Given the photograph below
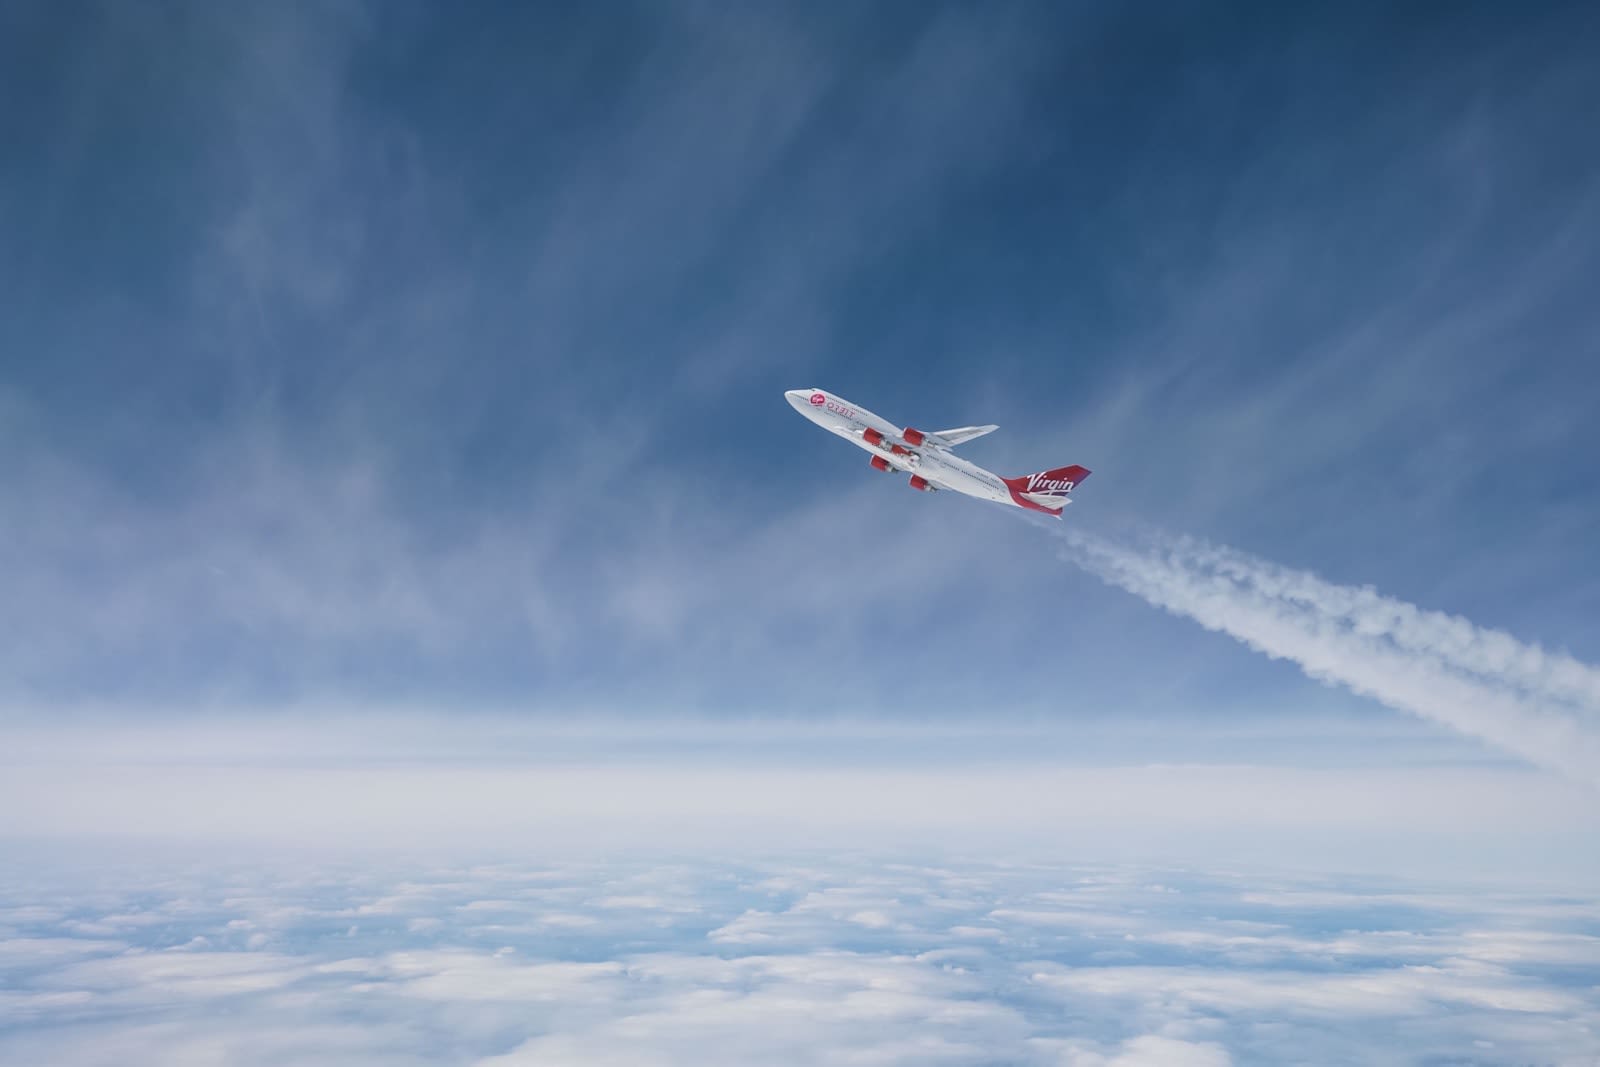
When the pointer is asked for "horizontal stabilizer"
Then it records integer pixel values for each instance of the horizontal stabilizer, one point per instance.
(951, 438)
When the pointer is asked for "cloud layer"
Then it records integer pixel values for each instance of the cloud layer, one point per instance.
(801, 960)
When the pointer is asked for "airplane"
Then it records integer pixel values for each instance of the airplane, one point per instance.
(928, 458)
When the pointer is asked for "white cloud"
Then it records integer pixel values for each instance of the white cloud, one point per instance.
(457, 976)
(1146, 1050)
(1372, 993)
(17, 1005)
(963, 962)
(32, 950)
(814, 1008)
(175, 973)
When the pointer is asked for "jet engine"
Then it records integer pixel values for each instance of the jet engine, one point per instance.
(913, 437)
(920, 483)
(872, 437)
(880, 463)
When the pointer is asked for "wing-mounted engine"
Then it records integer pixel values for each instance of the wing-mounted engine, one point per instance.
(879, 463)
(915, 438)
(921, 484)
(876, 439)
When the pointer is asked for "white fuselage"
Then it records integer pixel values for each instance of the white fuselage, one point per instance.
(941, 468)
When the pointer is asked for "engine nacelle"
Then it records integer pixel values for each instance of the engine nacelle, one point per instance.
(872, 437)
(880, 463)
(900, 450)
(913, 437)
(919, 483)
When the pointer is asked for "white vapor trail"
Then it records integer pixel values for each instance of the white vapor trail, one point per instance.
(1535, 704)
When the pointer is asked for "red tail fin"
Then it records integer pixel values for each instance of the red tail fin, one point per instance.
(1046, 491)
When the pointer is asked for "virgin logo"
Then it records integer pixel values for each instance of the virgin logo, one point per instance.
(817, 400)
(1038, 483)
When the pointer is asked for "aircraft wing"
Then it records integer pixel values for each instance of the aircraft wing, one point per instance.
(951, 438)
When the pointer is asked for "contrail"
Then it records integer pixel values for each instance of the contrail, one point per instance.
(1536, 704)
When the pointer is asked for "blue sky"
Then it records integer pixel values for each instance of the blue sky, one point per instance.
(382, 361)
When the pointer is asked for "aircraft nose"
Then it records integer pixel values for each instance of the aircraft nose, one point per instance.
(799, 399)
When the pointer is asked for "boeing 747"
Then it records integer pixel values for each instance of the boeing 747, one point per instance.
(928, 457)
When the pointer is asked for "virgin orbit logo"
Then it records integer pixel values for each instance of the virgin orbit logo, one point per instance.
(817, 400)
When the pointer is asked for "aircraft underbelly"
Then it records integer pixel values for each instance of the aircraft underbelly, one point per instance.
(943, 470)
